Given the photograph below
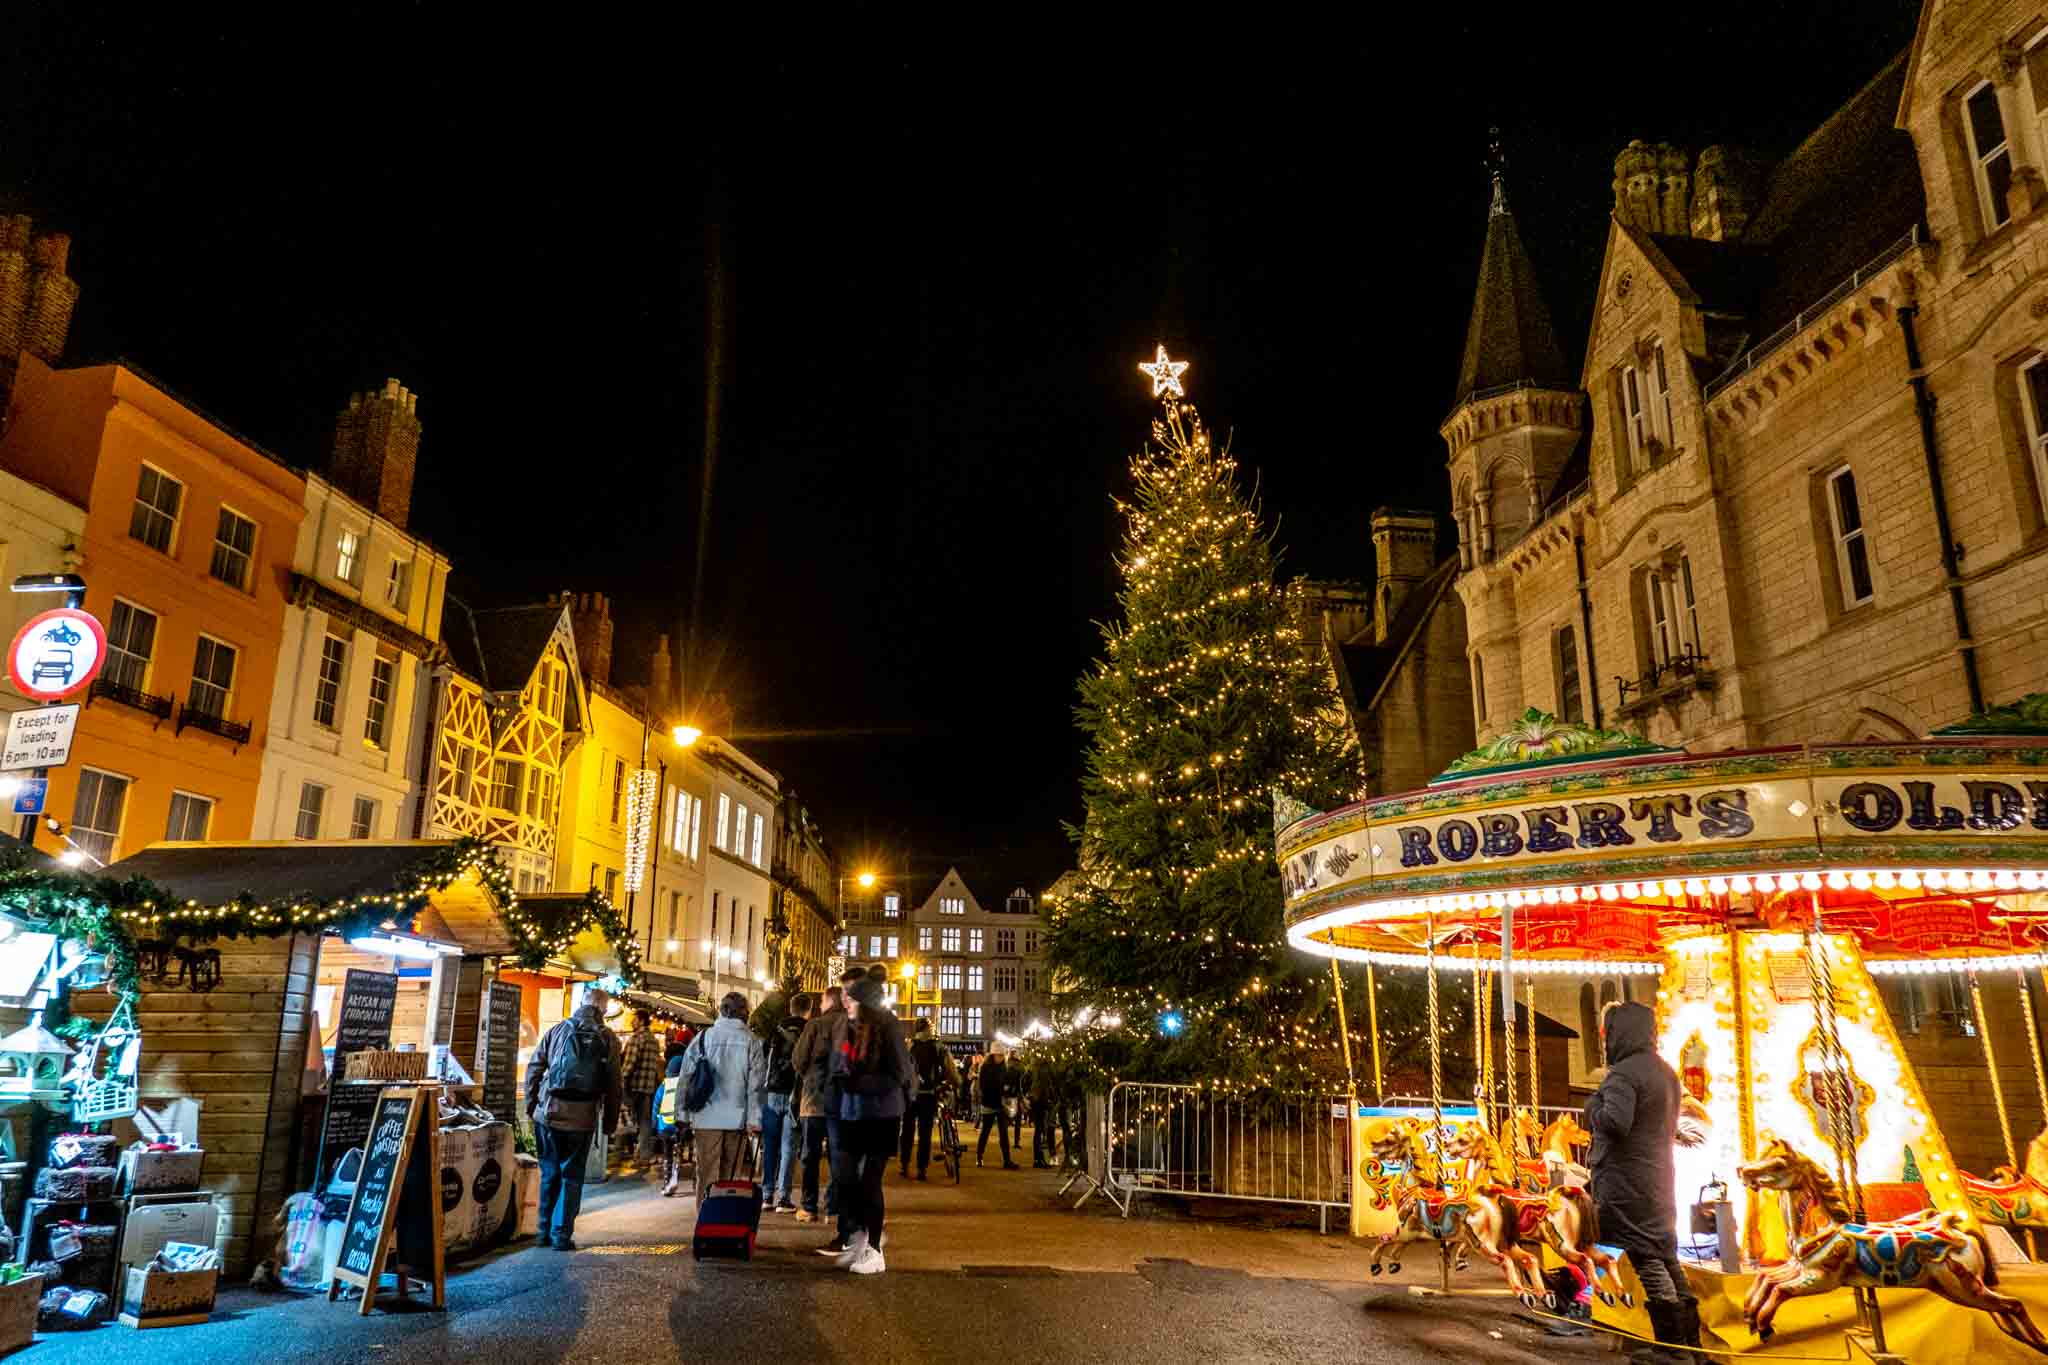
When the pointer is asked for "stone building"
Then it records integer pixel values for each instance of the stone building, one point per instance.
(361, 637)
(1797, 488)
(805, 918)
(987, 965)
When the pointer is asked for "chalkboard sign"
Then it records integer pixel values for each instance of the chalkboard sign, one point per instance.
(398, 1194)
(346, 1124)
(501, 1050)
(367, 999)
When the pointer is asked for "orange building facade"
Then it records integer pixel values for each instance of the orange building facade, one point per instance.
(187, 556)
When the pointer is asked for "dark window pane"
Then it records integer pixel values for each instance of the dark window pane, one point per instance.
(1987, 128)
(1859, 567)
(1848, 514)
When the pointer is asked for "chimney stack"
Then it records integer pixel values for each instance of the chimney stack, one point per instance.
(590, 616)
(376, 450)
(36, 296)
(1404, 553)
(660, 679)
(1723, 194)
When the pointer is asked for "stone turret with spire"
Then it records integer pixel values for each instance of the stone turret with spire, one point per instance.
(1516, 416)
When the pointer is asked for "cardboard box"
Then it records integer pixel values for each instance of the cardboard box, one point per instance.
(156, 1220)
(168, 1298)
(529, 1197)
(18, 1304)
(147, 1172)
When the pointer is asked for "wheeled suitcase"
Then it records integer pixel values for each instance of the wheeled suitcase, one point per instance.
(728, 1216)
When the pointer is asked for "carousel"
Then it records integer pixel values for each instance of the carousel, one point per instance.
(1765, 891)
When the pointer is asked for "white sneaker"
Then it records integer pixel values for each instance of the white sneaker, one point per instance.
(869, 1262)
(856, 1247)
(670, 1188)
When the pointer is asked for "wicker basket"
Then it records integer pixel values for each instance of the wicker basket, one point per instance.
(386, 1066)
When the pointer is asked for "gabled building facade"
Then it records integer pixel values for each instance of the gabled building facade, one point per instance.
(508, 710)
(988, 966)
(361, 641)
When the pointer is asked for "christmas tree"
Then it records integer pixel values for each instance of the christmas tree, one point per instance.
(1210, 697)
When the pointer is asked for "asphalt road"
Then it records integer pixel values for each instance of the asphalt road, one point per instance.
(995, 1268)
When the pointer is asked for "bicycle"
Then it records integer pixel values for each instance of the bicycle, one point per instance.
(948, 1144)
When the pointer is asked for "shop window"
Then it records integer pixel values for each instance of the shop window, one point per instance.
(96, 813)
(191, 816)
(154, 520)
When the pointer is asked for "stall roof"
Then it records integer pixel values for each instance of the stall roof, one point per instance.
(327, 871)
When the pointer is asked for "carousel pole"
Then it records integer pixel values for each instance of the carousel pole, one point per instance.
(1535, 1069)
(1507, 1015)
(2040, 1073)
(1344, 1033)
(2012, 1158)
(1835, 1080)
(1372, 1013)
(1436, 1081)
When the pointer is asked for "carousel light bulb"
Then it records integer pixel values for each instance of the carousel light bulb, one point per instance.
(2005, 881)
(1837, 882)
(1980, 880)
(1935, 878)
(1693, 886)
(1810, 881)
(1910, 880)
(1630, 890)
(1739, 884)
(1717, 886)
(1550, 895)
(1610, 892)
(1885, 880)
(1766, 883)
(2030, 881)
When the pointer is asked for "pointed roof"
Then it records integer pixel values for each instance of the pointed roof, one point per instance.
(1509, 338)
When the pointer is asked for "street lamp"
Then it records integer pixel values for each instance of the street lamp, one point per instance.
(685, 735)
(866, 880)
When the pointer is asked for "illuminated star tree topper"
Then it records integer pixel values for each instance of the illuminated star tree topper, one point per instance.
(1165, 375)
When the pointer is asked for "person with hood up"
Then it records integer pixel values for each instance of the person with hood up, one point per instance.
(875, 1078)
(734, 1109)
(1634, 1121)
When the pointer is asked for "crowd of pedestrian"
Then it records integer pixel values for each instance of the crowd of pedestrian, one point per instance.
(815, 1099)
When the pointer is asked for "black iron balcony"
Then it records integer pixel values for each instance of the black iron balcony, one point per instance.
(146, 702)
(236, 732)
(1664, 684)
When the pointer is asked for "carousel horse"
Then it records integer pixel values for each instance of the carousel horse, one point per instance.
(1424, 1208)
(1502, 1221)
(1561, 1213)
(2017, 1199)
(1928, 1250)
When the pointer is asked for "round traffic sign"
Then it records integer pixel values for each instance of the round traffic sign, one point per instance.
(57, 653)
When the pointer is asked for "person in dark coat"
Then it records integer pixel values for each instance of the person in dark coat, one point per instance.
(1634, 1121)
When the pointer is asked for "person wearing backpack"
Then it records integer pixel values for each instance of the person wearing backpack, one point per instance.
(935, 1069)
(723, 1073)
(572, 1085)
(780, 1121)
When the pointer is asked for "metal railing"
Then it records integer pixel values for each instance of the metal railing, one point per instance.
(1811, 313)
(1185, 1140)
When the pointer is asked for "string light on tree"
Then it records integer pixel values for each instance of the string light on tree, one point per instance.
(1165, 375)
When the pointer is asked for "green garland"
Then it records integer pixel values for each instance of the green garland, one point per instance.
(113, 915)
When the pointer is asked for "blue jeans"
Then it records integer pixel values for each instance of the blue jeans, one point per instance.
(777, 1131)
(563, 1154)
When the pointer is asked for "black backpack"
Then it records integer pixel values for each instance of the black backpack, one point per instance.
(581, 1066)
(781, 1064)
(703, 1078)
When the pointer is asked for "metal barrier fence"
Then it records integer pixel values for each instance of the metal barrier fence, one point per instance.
(1184, 1140)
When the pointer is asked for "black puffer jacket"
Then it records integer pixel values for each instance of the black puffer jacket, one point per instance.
(1634, 1121)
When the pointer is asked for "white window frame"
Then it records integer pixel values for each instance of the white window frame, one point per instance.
(377, 713)
(696, 827)
(893, 946)
(976, 978)
(348, 557)
(924, 977)
(975, 938)
(949, 939)
(1690, 602)
(328, 692)
(2037, 420)
(1844, 540)
(949, 1021)
(361, 826)
(176, 518)
(720, 835)
(140, 684)
(924, 938)
(952, 905)
(760, 828)
(396, 585)
(1993, 211)
(1632, 417)
(974, 1021)
(1006, 940)
(234, 670)
(220, 547)
(89, 844)
(874, 945)
(1660, 397)
(949, 976)
(171, 830)
(318, 811)
(1654, 586)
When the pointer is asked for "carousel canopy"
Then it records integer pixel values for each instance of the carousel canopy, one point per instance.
(1615, 849)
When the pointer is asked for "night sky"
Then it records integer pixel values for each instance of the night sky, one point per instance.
(916, 264)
